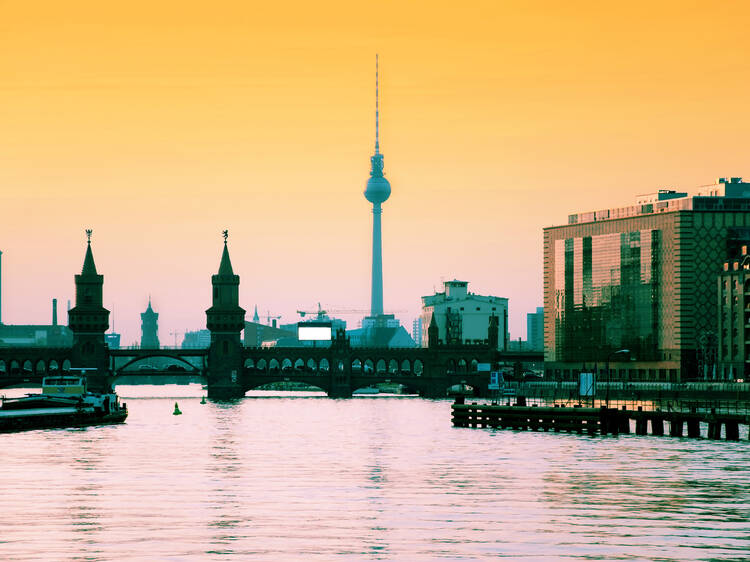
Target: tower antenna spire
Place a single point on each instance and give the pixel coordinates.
(377, 108)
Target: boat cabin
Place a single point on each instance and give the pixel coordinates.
(64, 385)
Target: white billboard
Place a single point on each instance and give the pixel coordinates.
(314, 331)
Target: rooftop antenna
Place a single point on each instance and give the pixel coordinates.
(377, 108)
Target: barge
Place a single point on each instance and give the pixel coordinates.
(63, 402)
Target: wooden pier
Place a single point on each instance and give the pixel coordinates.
(602, 421)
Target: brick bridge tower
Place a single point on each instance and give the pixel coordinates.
(225, 320)
(88, 320)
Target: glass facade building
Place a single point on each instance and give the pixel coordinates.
(641, 278)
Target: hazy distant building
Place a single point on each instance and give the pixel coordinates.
(38, 335)
(150, 328)
(112, 339)
(463, 317)
(197, 339)
(256, 334)
(535, 330)
(383, 331)
(641, 278)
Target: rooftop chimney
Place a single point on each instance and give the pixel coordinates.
(54, 312)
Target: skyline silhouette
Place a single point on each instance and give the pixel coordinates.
(162, 125)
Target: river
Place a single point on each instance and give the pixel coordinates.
(296, 476)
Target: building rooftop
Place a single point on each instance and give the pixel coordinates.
(725, 194)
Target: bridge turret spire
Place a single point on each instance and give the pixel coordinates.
(88, 320)
(432, 332)
(89, 267)
(225, 320)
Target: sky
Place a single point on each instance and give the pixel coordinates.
(160, 124)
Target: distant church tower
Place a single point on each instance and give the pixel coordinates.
(150, 328)
(88, 320)
(377, 192)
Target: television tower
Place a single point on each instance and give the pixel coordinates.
(377, 192)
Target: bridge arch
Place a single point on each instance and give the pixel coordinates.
(135, 360)
(393, 367)
(53, 366)
(28, 367)
(3, 367)
(262, 366)
(40, 368)
(274, 366)
(311, 365)
(321, 384)
(324, 365)
(248, 365)
(418, 367)
(450, 366)
(462, 367)
(380, 367)
(369, 367)
(356, 365)
(406, 366)
(474, 365)
(286, 364)
(299, 364)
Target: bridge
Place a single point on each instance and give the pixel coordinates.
(338, 370)
(230, 369)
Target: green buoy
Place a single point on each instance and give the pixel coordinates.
(203, 399)
(176, 410)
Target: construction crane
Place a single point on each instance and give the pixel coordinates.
(269, 318)
(322, 314)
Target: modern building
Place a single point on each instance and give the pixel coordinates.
(640, 278)
(733, 330)
(463, 317)
(535, 330)
(416, 331)
(150, 328)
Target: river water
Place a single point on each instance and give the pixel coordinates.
(300, 477)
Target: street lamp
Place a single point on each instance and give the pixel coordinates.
(609, 373)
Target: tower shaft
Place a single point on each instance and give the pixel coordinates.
(376, 301)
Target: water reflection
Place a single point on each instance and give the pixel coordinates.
(388, 478)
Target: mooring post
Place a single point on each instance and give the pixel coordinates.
(641, 422)
(714, 425)
(675, 426)
(624, 420)
(693, 427)
(657, 423)
(732, 429)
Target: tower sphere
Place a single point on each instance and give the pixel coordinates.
(378, 189)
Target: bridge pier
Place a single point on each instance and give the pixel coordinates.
(219, 391)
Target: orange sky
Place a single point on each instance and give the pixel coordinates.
(158, 124)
